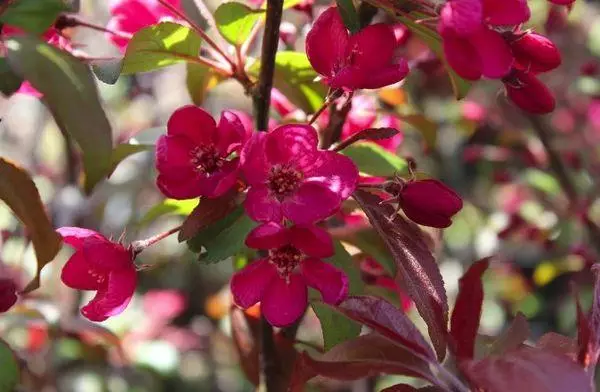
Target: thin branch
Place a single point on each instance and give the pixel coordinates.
(262, 92)
(270, 366)
(138, 246)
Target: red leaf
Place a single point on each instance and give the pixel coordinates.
(206, 212)
(513, 337)
(592, 348)
(410, 388)
(527, 369)
(585, 341)
(467, 311)
(367, 134)
(244, 333)
(417, 272)
(388, 320)
(364, 356)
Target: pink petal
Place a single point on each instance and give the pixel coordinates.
(27, 89)
(218, 183)
(135, 13)
(326, 42)
(160, 10)
(178, 188)
(269, 235)
(284, 302)
(231, 133)
(463, 17)
(332, 282)
(372, 47)
(261, 206)
(174, 156)
(249, 284)
(294, 143)
(8, 294)
(312, 241)
(194, 124)
(312, 202)
(116, 23)
(252, 158)
(506, 12)
(76, 236)
(494, 52)
(114, 298)
(462, 57)
(76, 273)
(349, 79)
(334, 171)
(390, 74)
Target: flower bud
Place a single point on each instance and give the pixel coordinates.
(429, 203)
(535, 53)
(8, 295)
(528, 93)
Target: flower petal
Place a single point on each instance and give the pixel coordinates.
(463, 17)
(231, 133)
(506, 12)
(334, 171)
(249, 284)
(261, 207)
(295, 143)
(494, 52)
(76, 236)
(252, 158)
(285, 302)
(76, 273)
(269, 235)
(8, 294)
(177, 187)
(312, 202)
(326, 42)
(174, 156)
(312, 241)
(372, 47)
(390, 74)
(114, 297)
(193, 123)
(462, 56)
(218, 183)
(332, 282)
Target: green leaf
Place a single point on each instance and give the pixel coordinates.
(124, 150)
(9, 80)
(223, 238)
(159, 46)
(34, 16)
(199, 80)
(9, 369)
(295, 78)
(18, 191)
(169, 206)
(374, 160)
(349, 15)
(70, 92)
(336, 327)
(542, 181)
(107, 71)
(369, 242)
(235, 21)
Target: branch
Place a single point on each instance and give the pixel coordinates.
(269, 359)
(262, 92)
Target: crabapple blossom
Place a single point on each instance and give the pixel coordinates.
(100, 265)
(195, 158)
(280, 280)
(534, 52)
(288, 176)
(528, 92)
(8, 294)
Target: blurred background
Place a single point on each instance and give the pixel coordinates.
(176, 334)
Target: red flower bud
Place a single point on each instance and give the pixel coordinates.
(535, 53)
(8, 295)
(429, 203)
(528, 93)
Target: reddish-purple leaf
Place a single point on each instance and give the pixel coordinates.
(527, 369)
(593, 321)
(585, 341)
(467, 311)
(513, 337)
(388, 320)
(364, 356)
(410, 388)
(367, 134)
(417, 272)
(206, 212)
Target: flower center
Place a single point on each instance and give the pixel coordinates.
(285, 259)
(206, 159)
(283, 181)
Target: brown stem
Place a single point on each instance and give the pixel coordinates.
(262, 92)
(138, 246)
(333, 130)
(270, 369)
(70, 21)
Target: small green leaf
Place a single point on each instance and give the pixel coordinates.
(374, 160)
(223, 238)
(124, 150)
(199, 80)
(159, 46)
(169, 206)
(542, 181)
(70, 92)
(9, 80)
(34, 16)
(9, 369)
(235, 21)
(349, 15)
(107, 71)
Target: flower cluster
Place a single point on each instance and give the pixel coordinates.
(481, 38)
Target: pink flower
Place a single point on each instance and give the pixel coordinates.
(289, 177)
(194, 157)
(534, 52)
(100, 265)
(528, 93)
(429, 203)
(364, 60)
(279, 281)
(130, 16)
(8, 294)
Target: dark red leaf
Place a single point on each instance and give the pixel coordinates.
(244, 333)
(206, 212)
(467, 311)
(364, 356)
(513, 337)
(593, 319)
(367, 134)
(410, 388)
(585, 341)
(388, 320)
(417, 272)
(529, 370)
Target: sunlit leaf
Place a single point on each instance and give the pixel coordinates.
(9, 369)
(206, 212)
(372, 159)
(34, 16)
(168, 207)
(200, 79)
(235, 21)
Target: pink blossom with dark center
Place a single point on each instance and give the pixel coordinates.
(472, 46)
(280, 280)
(102, 266)
(130, 16)
(365, 60)
(195, 157)
(529, 93)
(429, 203)
(8, 294)
(534, 52)
(288, 176)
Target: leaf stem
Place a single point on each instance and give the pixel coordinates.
(139, 246)
(70, 21)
